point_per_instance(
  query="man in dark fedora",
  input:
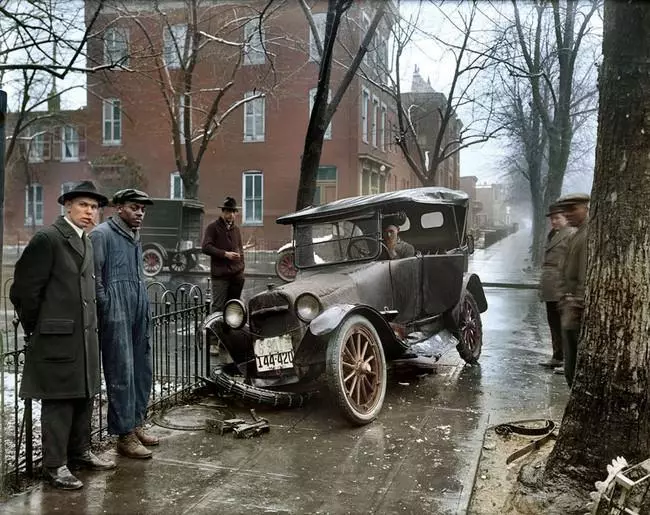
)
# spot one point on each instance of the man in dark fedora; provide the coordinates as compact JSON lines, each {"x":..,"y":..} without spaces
{"x":572,"y":278}
{"x":123,"y":309}
{"x":223,"y":243}
{"x":557,"y":241}
{"x":54,"y":295}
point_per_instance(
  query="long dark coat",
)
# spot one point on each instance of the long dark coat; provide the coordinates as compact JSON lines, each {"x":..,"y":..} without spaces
{"x":554,"y":253}
{"x":54,"y":295}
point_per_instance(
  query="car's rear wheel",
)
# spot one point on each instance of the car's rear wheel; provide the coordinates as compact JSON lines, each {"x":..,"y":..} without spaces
{"x":285,"y":267}
{"x":356,"y":370}
{"x":470,"y":328}
{"x":152,"y":261}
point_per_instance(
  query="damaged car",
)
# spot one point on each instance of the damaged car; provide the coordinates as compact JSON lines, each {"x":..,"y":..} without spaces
{"x":352,"y":312}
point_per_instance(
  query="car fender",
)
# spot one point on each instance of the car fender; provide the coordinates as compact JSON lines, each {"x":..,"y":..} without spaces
{"x":472,"y":283}
{"x":330,"y":320}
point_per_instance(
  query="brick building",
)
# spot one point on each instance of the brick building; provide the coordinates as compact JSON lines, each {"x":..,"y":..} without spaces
{"x":255,"y":154}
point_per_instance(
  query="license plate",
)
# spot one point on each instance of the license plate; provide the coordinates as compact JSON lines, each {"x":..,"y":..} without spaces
{"x":274,"y":353}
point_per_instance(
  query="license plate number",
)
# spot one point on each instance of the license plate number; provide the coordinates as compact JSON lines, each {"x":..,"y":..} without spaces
{"x":274,"y":353}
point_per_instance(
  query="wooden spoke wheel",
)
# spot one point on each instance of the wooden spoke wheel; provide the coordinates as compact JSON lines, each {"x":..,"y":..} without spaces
{"x":285,"y":267}
{"x":179,"y":262}
{"x":356,"y":370}
{"x":152,"y":261}
{"x":470,"y":328}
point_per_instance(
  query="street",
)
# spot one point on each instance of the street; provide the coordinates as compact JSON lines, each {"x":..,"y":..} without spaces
{"x":420,"y":455}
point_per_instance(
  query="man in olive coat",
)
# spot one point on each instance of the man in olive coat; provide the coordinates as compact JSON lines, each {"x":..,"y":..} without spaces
{"x":554,"y":251}
{"x":54,"y":295}
{"x":572,"y":278}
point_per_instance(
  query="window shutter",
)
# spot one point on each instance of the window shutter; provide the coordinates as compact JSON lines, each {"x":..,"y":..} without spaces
{"x":81,"y":131}
{"x":47,"y":146}
{"x":56,"y":138}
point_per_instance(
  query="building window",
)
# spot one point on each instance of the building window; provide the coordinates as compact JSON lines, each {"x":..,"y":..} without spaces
{"x":69,"y":144}
{"x":365,"y":25}
{"x":382,"y":128}
{"x":254,"y":118}
{"x":365,"y":100}
{"x":36,"y":145}
{"x":372,"y":181}
{"x":65,"y":187}
{"x":254,"y":42}
{"x":112,"y":122}
{"x":325,"y":185}
{"x":174,"y":45}
{"x":375,"y":121}
{"x":253,"y":187}
{"x":320,"y":20}
{"x":33,"y":205}
{"x":312,"y":96}
{"x":175,"y":186}
{"x":116,"y":46}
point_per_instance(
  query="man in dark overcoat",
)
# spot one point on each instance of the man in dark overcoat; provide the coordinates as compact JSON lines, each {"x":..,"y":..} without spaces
{"x":54,"y":296}
{"x":123,"y":307}
{"x":572,"y":278}
{"x":554,"y":251}
{"x":223,"y":243}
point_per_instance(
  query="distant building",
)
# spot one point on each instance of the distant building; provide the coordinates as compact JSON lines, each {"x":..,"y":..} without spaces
{"x":468,"y":185}
{"x":495,"y":211}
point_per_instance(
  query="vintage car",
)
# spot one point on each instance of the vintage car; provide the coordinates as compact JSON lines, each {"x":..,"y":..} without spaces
{"x":352,"y":312}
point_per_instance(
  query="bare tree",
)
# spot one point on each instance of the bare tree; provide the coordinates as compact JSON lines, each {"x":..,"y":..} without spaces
{"x":607,"y":414}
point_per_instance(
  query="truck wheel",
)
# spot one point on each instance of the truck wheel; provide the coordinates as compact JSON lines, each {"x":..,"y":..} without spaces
{"x":152,"y":261}
{"x":178,"y":262}
{"x":470,"y":328}
{"x":284,"y":266}
{"x":356,"y":370}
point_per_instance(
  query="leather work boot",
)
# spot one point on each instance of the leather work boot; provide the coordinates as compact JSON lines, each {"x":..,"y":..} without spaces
{"x":128,"y":445}
{"x":88,"y":460}
{"x":62,"y":478}
{"x":145,"y":439}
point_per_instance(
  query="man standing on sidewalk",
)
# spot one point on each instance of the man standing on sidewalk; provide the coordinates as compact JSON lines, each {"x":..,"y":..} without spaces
{"x":572,"y":278}
{"x":54,"y":295}
{"x":223,"y":243}
{"x":556,"y":246}
{"x":123,"y":310}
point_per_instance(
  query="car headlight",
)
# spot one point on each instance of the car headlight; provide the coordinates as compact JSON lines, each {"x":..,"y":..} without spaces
{"x":307,"y":307}
{"x":234,"y":313}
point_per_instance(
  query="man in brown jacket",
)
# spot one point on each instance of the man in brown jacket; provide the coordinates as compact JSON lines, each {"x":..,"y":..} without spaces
{"x":572,"y":278}
{"x":556,"y":246}
{"x":223,"y":243}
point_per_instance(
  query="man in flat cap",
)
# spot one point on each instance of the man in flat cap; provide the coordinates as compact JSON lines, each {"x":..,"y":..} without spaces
{"x":571,"y":283}
{"x":123,"y":312}
{"x":554,"y":252}
{"x":54,"y":295}
{"x":223,"y":243}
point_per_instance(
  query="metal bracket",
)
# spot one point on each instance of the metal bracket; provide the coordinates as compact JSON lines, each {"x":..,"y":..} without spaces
{"x":240,"y":427}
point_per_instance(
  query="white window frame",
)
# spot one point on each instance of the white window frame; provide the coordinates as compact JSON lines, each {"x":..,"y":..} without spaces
{"x":382,"y":127}
{"x":320,"y":20}
{"x":254,"y":113}
{"x":312,"y":96}
{"x":365,"y":25}
{"x":116,"y":46}
{"x":35,"y":145}
{"x":254,"y":43}
{"x":248,"y":218}
{"x":365,"y":100}
{"x":174,"y":45}
{"x":34,"y":187}
{"x":65,"y":187}
{"x":375,"y":121}
{"x":176,"y":183}
{"x":115,"y":122}
{"x":69,"y":144}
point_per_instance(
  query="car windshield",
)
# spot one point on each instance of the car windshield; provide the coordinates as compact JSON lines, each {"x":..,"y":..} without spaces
{"x":336,"y":242}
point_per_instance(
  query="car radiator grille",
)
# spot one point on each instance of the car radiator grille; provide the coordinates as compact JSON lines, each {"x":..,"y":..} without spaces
{"x":271,"y":314}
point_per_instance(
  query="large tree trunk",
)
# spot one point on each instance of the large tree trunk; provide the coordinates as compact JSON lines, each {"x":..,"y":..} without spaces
{"x":608,"y":414}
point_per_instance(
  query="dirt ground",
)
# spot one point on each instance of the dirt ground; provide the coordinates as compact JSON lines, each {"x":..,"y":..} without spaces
{"x":495,"y":480}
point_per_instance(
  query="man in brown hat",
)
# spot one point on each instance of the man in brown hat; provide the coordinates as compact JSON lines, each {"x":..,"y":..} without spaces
{"x":554,"y":252}
{"x":571,"y":283}
{"x":223,"y":243}
{"x":54,"y":295}
{"x":123,"y":308}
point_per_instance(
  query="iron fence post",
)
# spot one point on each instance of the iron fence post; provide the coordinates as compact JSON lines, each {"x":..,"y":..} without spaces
{"x":29,"y":436}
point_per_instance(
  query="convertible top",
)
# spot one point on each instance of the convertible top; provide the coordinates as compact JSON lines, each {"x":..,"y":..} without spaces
{"x":346,"y":206}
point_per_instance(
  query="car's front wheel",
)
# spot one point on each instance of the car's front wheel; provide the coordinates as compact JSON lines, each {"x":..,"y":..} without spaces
{"x":470,"y":328}
{"x":356,"y":370}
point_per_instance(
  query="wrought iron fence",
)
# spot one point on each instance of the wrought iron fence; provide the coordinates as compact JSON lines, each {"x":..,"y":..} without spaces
{"x":180,"y":358}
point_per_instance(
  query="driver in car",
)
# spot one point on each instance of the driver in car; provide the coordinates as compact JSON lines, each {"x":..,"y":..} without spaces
{"x":397,"y":249}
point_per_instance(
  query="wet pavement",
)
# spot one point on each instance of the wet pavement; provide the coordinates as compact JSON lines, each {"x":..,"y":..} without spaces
{"x":419,"y":456}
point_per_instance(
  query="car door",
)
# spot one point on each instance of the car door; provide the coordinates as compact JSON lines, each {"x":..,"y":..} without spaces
{"x":405,"y":278}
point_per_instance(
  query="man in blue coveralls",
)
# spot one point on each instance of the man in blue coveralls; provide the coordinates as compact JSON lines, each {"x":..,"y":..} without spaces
{"x":123,"y":313}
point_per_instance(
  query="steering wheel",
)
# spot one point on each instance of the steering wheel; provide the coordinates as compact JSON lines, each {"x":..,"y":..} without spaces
{"x":361,"y":247}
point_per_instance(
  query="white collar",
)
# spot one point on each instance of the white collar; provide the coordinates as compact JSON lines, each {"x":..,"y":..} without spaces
{"x":78,"y":230}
